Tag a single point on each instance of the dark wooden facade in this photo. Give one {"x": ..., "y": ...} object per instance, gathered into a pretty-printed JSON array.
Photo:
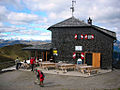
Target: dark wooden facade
[{"x": 63, "y": 39}]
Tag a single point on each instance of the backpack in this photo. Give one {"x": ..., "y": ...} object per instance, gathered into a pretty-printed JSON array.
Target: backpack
[
  {"x": 43, "y": 74},
  {"x": 37, "y": 74}
]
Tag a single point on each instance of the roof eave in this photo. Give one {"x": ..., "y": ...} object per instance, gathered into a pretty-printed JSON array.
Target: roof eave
[{"x": 68, "y": 27}]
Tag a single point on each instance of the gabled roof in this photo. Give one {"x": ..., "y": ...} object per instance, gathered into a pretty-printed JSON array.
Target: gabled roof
[
  {"x": 111, "y": 33},
  {"x": 73, "y": 22},
  {"x": 70, "y": 22},
  {"x": 47, "y": 46}
]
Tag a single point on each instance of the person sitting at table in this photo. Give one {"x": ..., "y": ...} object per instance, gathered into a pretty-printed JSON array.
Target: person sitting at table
[
  {"x": 40, "y": 60},
  {"x": 51, "y": 59},
  {"x": 79, "y": 61}
]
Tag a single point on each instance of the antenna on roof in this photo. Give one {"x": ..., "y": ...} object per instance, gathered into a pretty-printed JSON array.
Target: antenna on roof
[{"x": 73, "y": 2}]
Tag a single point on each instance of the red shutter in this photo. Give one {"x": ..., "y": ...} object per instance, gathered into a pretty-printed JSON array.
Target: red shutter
[
  {"x": 81, "y": 36},
  {"x": 86, "y": 37},
  {"x": 75, "y": 36},
  {"x": 82, "y": 55},
  {"x": 92, "y": 36},
  {"x": 74, "y": 55}
]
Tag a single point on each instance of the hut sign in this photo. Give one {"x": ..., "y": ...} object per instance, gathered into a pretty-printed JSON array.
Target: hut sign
[
  {"x": 78, "y": 48},
  {"x": 55, "y": 52}
]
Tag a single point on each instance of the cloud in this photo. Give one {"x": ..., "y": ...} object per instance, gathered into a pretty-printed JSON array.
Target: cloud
[
  {"x": 24, "y": 37},
  {"x": 46, "y": 34},
  {"x": 42, "y": 5},
  {"x": 1, "y": 24},
  {"x": 16, "y": 4},
  {"x": 105, "y": 13},
  {"x": 4, "y": 29},
  {"x": 3, "y": 35},
  {"x": 3, "y": 13},
  {"x": 21, "y": 18},
  {"x": 34, "y": 33}
]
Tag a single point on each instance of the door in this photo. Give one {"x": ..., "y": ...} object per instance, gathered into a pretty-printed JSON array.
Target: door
[
  {"x": 96, "y": 60},
  {"x": 88, "y": 58}
]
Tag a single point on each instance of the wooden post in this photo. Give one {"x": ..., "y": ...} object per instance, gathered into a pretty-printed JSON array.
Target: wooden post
[
  {"x": 43, "y": 56},
  {"x": 35, "y": 53},
  {"x": 46, "y": 55}
]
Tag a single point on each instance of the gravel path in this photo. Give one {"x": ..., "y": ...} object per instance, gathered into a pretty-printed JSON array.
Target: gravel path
[{"x": 24, "y": 80}]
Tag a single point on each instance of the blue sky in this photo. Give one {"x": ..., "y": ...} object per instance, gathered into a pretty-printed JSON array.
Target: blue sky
[{"x": 29, "y": 19}]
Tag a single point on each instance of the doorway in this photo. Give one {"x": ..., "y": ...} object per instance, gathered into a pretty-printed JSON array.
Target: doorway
[{"x": 88, "y": 58}]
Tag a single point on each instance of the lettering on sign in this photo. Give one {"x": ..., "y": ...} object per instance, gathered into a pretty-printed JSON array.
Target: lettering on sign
[{"x": 78, "y": 48}]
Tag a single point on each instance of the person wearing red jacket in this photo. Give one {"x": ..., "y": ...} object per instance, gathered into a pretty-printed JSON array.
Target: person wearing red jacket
[
  {"x": 32, "y": 62},
  {"x": 41, "y": 77}
]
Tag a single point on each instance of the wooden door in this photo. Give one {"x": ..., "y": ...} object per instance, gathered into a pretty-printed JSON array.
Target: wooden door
[{"x": 96, "y": 60}]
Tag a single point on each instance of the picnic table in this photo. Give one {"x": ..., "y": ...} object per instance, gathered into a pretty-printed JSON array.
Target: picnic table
[
  {"x": 87, "y": 69},
  {"x": 84, "y": 69},
  {"x": 46, "y": 65},
  {"x": 65, "y": 67}
]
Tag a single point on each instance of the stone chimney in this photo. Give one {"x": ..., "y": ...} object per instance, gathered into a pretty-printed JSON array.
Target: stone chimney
[{"x": 90, "y": 21}]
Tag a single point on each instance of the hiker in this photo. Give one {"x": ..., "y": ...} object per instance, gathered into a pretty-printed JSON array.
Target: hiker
[
  {"x": 40, "y": 77},
  {"x": 17, "y": 62},
  {"x": 32, "y": 62}
]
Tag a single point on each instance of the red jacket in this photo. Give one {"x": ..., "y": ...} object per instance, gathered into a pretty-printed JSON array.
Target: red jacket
[
  {"x": 31, "y": 61},
  {"x": 40, "y": 75}
]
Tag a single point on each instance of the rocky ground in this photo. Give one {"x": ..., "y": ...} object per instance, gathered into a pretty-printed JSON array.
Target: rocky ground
[{"x": 24, "y": 80}]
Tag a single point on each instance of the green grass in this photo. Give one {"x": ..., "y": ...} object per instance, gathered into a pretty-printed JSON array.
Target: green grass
[
  {"x": 10, "y": 53},
  {"x": 14, "y": 51}
]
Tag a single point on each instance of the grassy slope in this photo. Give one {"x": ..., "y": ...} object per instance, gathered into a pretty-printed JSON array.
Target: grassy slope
[
  {"x": 9, "y": 53},
  {"x": 14, "y": 51}
]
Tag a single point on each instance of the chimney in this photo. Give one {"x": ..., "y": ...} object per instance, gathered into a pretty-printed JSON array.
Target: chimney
[{"x": 90, "y": 21}]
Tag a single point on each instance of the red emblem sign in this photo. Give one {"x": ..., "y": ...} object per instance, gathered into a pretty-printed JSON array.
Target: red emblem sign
[
  {"x": 74, "y": 55},
  {"x": 92, "y": 36},
  {"x": 86, "y": 37},
  {"x": 82, "y": 55},
  {"x": 75, "y": 36},
  {"x": 81, "y": 36}
]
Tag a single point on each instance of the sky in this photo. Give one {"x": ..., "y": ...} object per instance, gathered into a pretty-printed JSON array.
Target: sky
[{"x": 29, "y": 19}]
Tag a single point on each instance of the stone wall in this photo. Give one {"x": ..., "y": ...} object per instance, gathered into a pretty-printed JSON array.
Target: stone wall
[{"x": 63, "y": 39}]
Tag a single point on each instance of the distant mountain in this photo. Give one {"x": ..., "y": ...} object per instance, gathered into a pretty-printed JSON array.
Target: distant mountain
[
  {"x": 27, "y": 42},
  {"x": 38, "y": 42},
  {"x": 117, "y": 46}
]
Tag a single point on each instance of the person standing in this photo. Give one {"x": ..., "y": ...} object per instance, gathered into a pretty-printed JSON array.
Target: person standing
[
  {"x": 32, "y": 61},
  {"x": 17, "y": 62}
]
